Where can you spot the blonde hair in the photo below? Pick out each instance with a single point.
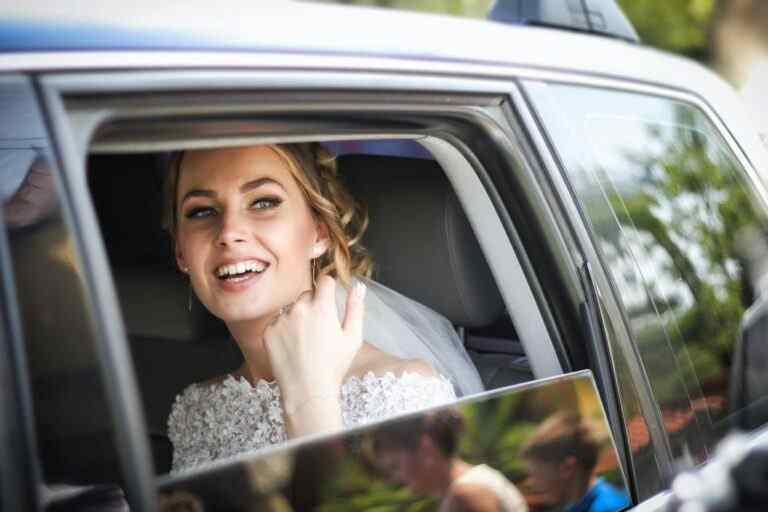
(314, 170)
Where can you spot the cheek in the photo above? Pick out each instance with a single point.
(293, 240)
(189, 244)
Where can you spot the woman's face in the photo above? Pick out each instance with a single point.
(245, 232)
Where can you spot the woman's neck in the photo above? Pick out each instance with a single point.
(249, 337)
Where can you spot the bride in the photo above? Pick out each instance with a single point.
(270, 240)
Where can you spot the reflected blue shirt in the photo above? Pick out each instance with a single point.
(602, 497)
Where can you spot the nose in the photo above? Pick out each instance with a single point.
(232, 229)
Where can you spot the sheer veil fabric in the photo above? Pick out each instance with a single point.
(407, 329)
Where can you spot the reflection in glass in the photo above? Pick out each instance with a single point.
(481, 452)
(422, 453)
(72, 423)
(681, 235)
(561, 456)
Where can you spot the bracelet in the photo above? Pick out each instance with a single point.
(309, 400)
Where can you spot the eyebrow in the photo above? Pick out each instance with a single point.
(245, 187)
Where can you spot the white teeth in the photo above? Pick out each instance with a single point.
(240, 268)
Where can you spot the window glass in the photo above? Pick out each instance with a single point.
(679, 231)
(542, 446)
(73, 427)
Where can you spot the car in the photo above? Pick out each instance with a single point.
(569, 200)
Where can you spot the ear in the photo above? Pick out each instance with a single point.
(180, 261)
(322, 240)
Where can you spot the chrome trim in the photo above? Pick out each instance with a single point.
(658, 503)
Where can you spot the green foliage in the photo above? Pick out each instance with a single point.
(494, 431)
(692, 181)
(679, 26)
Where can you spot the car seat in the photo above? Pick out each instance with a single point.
(424, 247)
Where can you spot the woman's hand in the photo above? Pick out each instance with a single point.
(311, 352)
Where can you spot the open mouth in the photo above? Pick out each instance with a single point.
(241, 270)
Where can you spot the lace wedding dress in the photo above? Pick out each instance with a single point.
(213, 421)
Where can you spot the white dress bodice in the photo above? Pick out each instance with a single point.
(222, 419)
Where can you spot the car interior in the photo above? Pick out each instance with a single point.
(421, 241)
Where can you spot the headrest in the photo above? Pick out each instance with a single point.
(420, 239)
(127, 195)
(156, 303)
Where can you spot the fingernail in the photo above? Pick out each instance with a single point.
(360, 290)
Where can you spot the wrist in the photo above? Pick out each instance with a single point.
(298, 391)
(326, 401)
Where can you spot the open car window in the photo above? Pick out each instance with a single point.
(440, 234)
(536, 446)
(423, 248)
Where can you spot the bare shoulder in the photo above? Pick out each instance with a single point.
(374, 360)
(473, 497)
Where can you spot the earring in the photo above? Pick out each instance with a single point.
(317, 250)
(189, 298)
(313, 271)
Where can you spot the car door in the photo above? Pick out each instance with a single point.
(472, 128)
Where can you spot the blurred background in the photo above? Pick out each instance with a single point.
(729, 36)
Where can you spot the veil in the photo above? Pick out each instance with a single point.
(407, 329)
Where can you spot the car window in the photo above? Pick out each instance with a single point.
(684, 240)
(544, 445)
(73, 428)
(409, 202)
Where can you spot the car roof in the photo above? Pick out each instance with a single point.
(308, 28)
(244, 34)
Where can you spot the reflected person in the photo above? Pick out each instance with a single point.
(561, 456)
(422, 453)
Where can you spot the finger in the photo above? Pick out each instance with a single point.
(325, 294)
(353, 317)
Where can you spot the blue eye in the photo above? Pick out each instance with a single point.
(266, 203)
(198, 213)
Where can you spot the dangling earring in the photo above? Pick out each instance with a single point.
(313, 270)
(189, 298)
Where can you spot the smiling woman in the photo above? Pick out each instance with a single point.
(270, 241)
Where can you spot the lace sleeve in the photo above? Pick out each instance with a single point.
(185, 429)
(374, 398)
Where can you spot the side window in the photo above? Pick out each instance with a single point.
(681, 235)
(417, 308)
(72, 421)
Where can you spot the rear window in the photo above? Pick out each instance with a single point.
(684, 239)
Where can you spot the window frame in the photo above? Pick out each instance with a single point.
(498, 113)
(17, 444)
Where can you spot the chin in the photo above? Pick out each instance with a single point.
(230, 313)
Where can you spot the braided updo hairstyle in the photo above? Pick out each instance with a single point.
(314, 170)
